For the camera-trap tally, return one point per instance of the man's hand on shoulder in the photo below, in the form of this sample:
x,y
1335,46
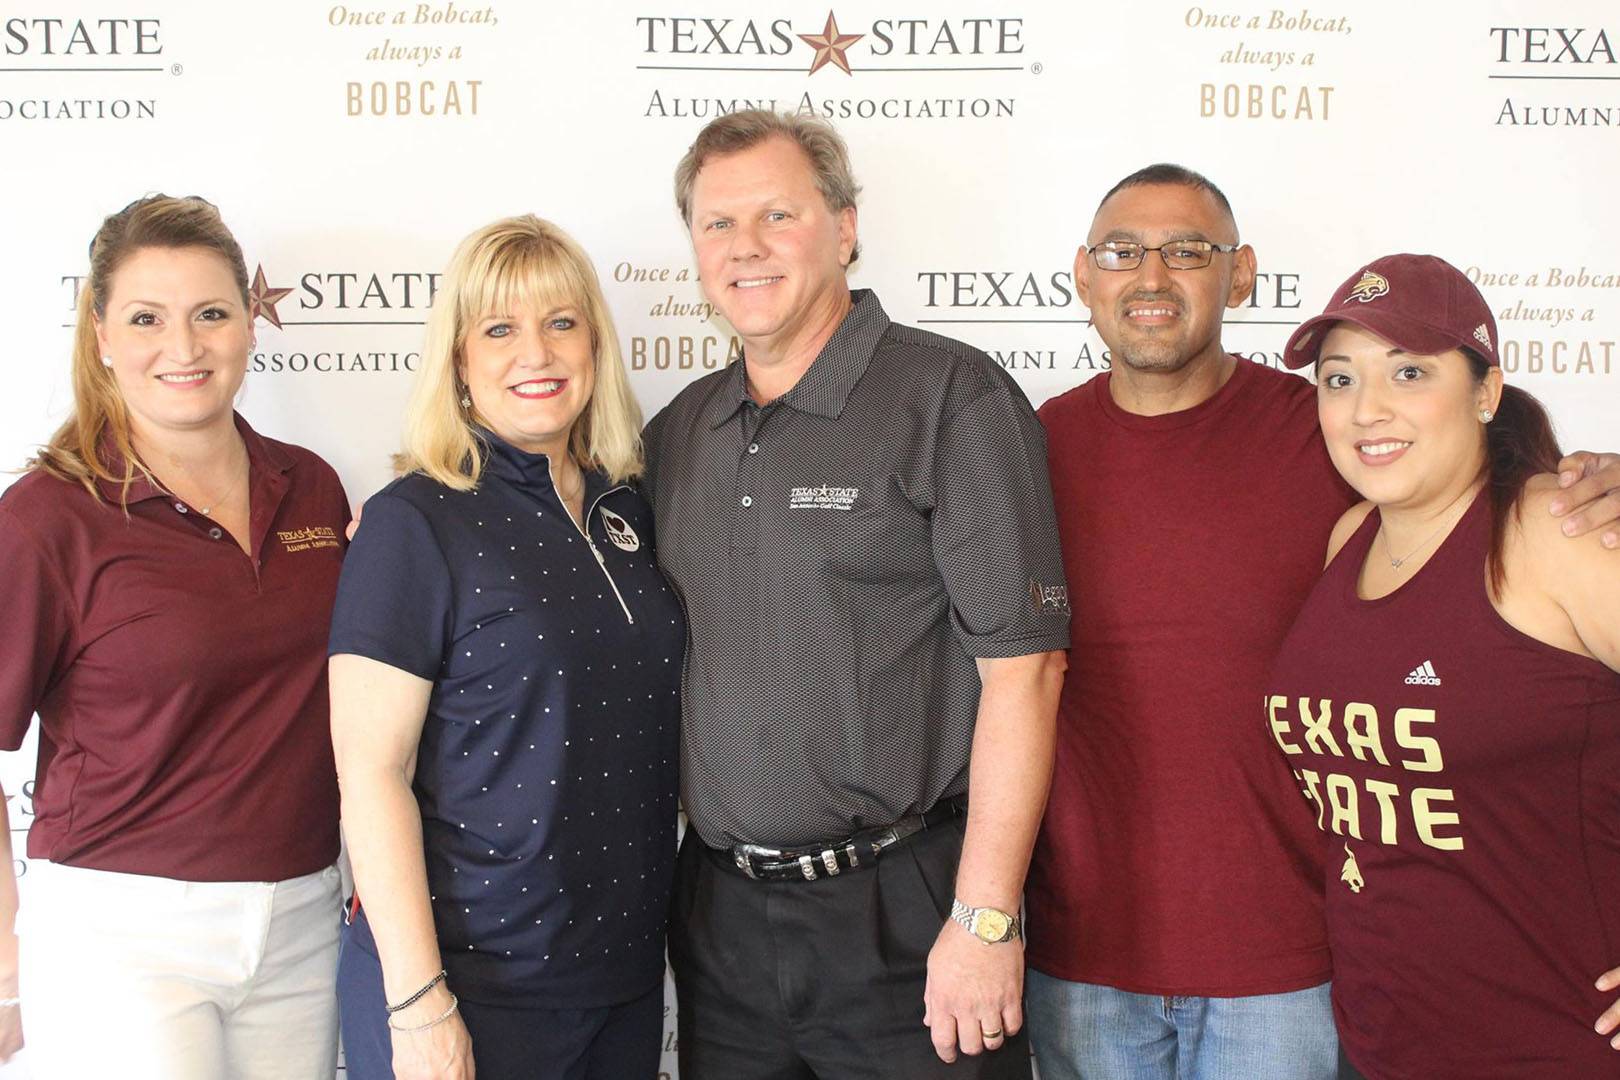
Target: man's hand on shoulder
x,y
975,992
1590,498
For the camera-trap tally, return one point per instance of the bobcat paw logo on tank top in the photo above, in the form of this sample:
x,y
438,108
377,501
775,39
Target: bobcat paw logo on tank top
x,y
1351,874
1370,287
619,531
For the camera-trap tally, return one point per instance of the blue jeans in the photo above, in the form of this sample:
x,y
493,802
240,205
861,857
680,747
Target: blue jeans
x,y
1082,1031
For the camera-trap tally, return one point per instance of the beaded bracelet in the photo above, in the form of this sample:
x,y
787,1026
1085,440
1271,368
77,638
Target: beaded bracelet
x,y
435,1022
418,996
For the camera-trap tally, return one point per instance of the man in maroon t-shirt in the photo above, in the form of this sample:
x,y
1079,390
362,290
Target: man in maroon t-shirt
x,y
1175,924
1174,902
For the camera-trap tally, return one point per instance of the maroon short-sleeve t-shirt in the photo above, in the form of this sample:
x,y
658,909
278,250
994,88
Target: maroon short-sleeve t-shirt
x,y
180,682
1177,855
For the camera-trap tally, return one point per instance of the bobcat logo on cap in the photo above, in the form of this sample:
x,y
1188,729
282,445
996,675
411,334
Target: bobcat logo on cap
x,y
1370,287
619,531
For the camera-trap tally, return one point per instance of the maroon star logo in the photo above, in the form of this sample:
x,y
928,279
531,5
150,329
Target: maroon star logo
x,y
262,299
830,46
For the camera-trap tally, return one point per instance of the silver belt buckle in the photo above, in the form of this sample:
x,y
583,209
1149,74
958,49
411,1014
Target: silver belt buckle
x,y
744,854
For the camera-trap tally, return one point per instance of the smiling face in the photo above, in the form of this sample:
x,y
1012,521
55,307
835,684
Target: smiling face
x,y
771,253
178,334
1404,430
1152,318
530,374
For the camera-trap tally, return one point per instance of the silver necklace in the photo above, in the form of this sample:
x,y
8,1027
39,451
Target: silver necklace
x,y
207,511
215,504
1396,564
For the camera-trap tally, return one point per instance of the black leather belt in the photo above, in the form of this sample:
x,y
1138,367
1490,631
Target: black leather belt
x,y
855,852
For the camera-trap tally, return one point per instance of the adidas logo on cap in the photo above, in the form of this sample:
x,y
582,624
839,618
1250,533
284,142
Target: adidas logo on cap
x,y
1423,675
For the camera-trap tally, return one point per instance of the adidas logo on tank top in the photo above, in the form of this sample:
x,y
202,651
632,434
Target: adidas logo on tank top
x,y
1423,675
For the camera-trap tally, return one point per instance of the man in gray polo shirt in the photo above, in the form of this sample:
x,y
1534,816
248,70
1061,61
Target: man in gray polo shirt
x,y
858,520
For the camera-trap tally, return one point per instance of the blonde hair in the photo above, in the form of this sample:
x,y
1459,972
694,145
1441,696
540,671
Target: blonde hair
x,y
74,452
747,128
515,262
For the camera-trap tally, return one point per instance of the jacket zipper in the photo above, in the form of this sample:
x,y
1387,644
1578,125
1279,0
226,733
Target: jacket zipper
x,y
600,560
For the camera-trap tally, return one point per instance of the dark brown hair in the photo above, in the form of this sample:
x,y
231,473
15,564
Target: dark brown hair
x,y
1519,443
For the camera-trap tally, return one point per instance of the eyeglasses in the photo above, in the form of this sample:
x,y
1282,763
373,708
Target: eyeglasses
x,y
1177,254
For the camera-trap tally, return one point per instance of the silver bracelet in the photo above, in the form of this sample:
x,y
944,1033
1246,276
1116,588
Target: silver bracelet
x,y
10,1002
435,1022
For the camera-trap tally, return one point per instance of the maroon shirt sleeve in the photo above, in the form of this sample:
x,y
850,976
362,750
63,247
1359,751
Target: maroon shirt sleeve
x,y
38,632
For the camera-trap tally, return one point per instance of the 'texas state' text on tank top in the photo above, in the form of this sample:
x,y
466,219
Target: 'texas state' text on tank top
x,y
1466,778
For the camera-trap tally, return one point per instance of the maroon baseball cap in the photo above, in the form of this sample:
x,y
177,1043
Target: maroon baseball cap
x,y
1419,303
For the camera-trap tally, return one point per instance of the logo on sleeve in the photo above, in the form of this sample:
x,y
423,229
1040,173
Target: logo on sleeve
x,y
1049,599
619,531
308,538
822,498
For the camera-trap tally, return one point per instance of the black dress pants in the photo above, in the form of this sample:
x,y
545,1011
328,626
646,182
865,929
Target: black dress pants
x,y
817,980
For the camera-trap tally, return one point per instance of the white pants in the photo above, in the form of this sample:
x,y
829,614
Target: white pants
x,y
130,976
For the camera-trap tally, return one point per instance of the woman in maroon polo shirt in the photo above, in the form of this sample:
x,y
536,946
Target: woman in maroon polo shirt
x,y
169,576
1449,700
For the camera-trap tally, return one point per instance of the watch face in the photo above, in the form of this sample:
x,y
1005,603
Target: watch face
x,y
991,925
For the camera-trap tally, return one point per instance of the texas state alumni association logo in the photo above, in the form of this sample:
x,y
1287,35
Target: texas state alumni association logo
x,y
918,43
68,65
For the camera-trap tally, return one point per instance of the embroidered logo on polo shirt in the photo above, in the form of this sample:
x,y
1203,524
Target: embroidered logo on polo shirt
x,y
822,498
1370,287
619,531
1049,599
308,538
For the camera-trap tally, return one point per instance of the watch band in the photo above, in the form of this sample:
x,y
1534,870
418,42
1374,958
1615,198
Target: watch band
x,y
990,925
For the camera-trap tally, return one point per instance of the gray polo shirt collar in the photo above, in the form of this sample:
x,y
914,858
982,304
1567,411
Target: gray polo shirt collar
x,y
825,387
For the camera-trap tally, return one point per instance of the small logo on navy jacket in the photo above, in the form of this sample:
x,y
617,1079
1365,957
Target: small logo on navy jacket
x,y
619,531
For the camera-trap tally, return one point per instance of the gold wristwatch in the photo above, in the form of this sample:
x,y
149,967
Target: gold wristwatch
x,y
990,925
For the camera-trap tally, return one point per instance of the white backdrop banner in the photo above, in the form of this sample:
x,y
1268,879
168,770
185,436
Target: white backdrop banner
x,y
350,145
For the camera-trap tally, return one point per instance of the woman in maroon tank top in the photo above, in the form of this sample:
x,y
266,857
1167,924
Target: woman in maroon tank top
x,y
1450,703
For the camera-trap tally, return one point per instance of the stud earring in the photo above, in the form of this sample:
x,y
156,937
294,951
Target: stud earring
x,y
106,361
1485,416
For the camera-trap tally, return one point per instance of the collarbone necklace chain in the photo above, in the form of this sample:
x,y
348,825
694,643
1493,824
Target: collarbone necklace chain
x,y
1396,564
208,511
215,504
